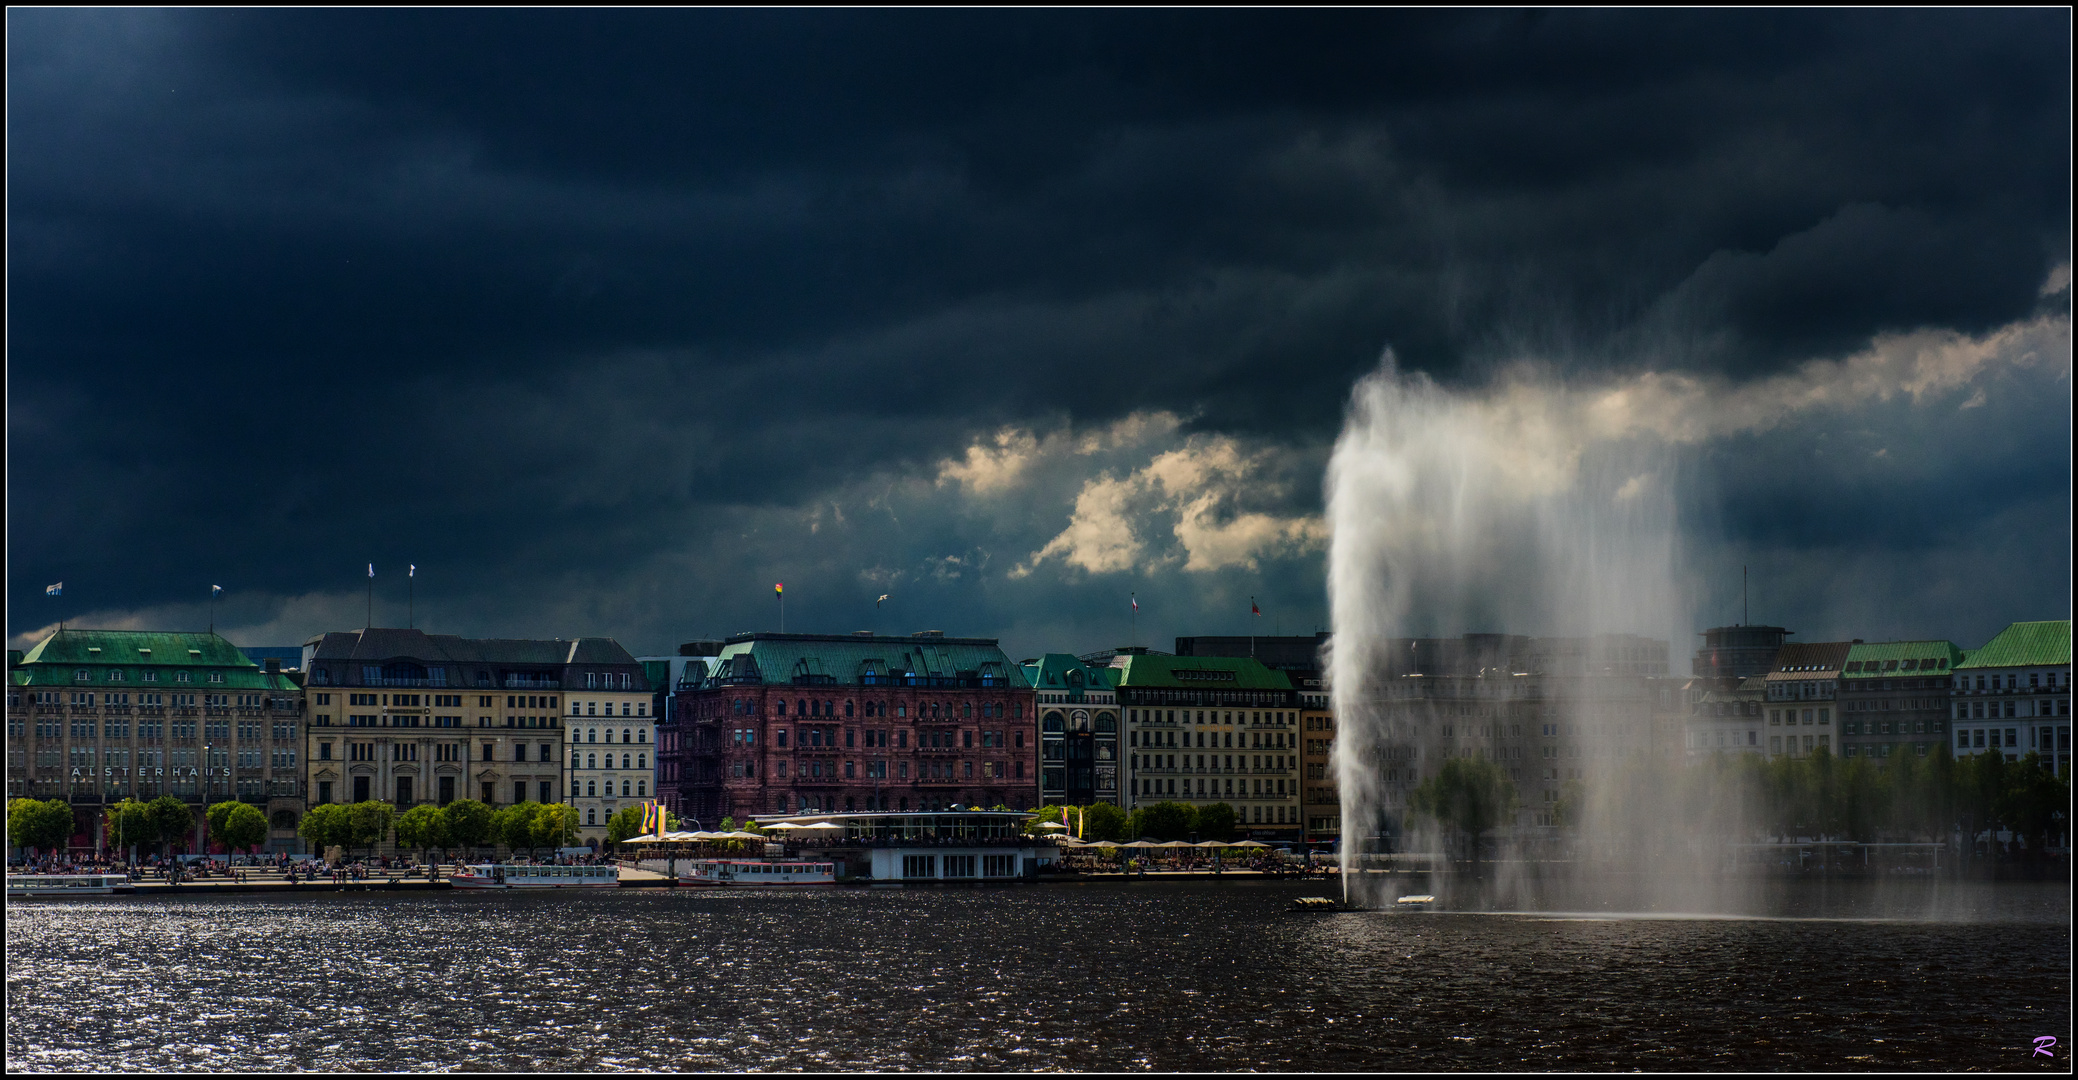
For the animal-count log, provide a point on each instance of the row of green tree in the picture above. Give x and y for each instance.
(163, 822)
(1162, 821)
(464, 825)
(1910, 798)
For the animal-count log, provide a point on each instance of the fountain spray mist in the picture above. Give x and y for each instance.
(1503, 581)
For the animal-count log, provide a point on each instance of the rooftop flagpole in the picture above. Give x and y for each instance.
(411, 595)
(214, 590)
(371, 597)
(779, 592)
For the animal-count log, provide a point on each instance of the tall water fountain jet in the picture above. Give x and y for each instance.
(1537, 516)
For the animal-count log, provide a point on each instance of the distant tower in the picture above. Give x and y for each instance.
(1738, 651)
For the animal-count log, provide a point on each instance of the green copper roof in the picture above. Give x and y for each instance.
(1051, 674)
(1199, 673)
(1891, 659)
(2025, 644)
(58, 659)
(830, 660)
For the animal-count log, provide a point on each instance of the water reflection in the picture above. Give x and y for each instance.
(1187, 976)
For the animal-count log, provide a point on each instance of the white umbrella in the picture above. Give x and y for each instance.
(824, 825)
(743, 836)
(785, 825)
(1249, 843)
(1141, 844)
(1213, 844)
(1049, 825)
(1105, 843)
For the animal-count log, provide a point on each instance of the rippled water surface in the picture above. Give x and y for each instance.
(1159, 976)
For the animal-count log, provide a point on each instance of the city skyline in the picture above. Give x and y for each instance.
(607, 323)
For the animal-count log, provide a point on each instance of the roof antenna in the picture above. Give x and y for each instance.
(1742, 595)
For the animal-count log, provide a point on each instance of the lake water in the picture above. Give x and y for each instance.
(1141, 975)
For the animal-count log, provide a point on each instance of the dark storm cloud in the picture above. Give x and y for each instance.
(551, 293)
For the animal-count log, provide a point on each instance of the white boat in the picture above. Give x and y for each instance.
(535, 876)
(67, 884)
(757, 873)
(1416, 902)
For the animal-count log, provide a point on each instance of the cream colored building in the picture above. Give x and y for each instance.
(408, 717)
(612, 752)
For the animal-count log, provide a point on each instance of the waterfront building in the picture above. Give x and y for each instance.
(919, 846)
(611, 762)
(1547, 711)
(98, 716)
(1735, 652)
(1894, 697)
(1727, 714)
(1801, 694)
(1078, 730)
(794, 723)
(1320, 799)
(408, 717)
(685, 670)
(2014, 694)
(1303, 659)
(1204, 730)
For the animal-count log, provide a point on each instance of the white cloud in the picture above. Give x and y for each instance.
(1200, 491)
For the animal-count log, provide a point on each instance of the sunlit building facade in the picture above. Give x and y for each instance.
(98, 716)
(2013, 695)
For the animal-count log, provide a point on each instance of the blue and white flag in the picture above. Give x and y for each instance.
(371, 569)
(414, 570)
(215, 590)
(55, 590)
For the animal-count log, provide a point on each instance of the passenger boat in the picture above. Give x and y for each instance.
(1418, 902)
(533, 876)
(67, 884)
(757, 873)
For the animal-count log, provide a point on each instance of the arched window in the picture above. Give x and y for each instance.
(593, 736)
(641, 789)
(624, 789)
(625, 736)
(847, 710)
(591, 789)
(591, 815)
(576, 735)
(642, 761)
(624, 761)
(591, 761)
(642, 735)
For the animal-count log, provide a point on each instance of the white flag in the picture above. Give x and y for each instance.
(413, 572)
(54, 590)
(371, 569)
(215, 589)
(883, 598)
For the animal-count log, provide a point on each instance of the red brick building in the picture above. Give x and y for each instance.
(791, 723)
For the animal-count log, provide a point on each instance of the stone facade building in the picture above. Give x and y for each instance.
(1802, 696)
(2015, 694)
(1894, 698)
(98, 716)
(408, 717)
(1205, 730)
(803, 723)
(1079, 737)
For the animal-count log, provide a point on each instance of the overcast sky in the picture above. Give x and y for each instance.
(609, 321)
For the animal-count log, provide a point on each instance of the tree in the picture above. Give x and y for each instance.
(1103, 821)
(469, 823)
(422, 828)
(368, 822)
(325, 826)
(728, 825)
(2034, 802)
(1468, 796)
(553, 825)
(626, 823)
(170, 820)
(129, 824)
(43, 824)
(514, 826)
(1216, 822)
(1164, 821)
(236, 825)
